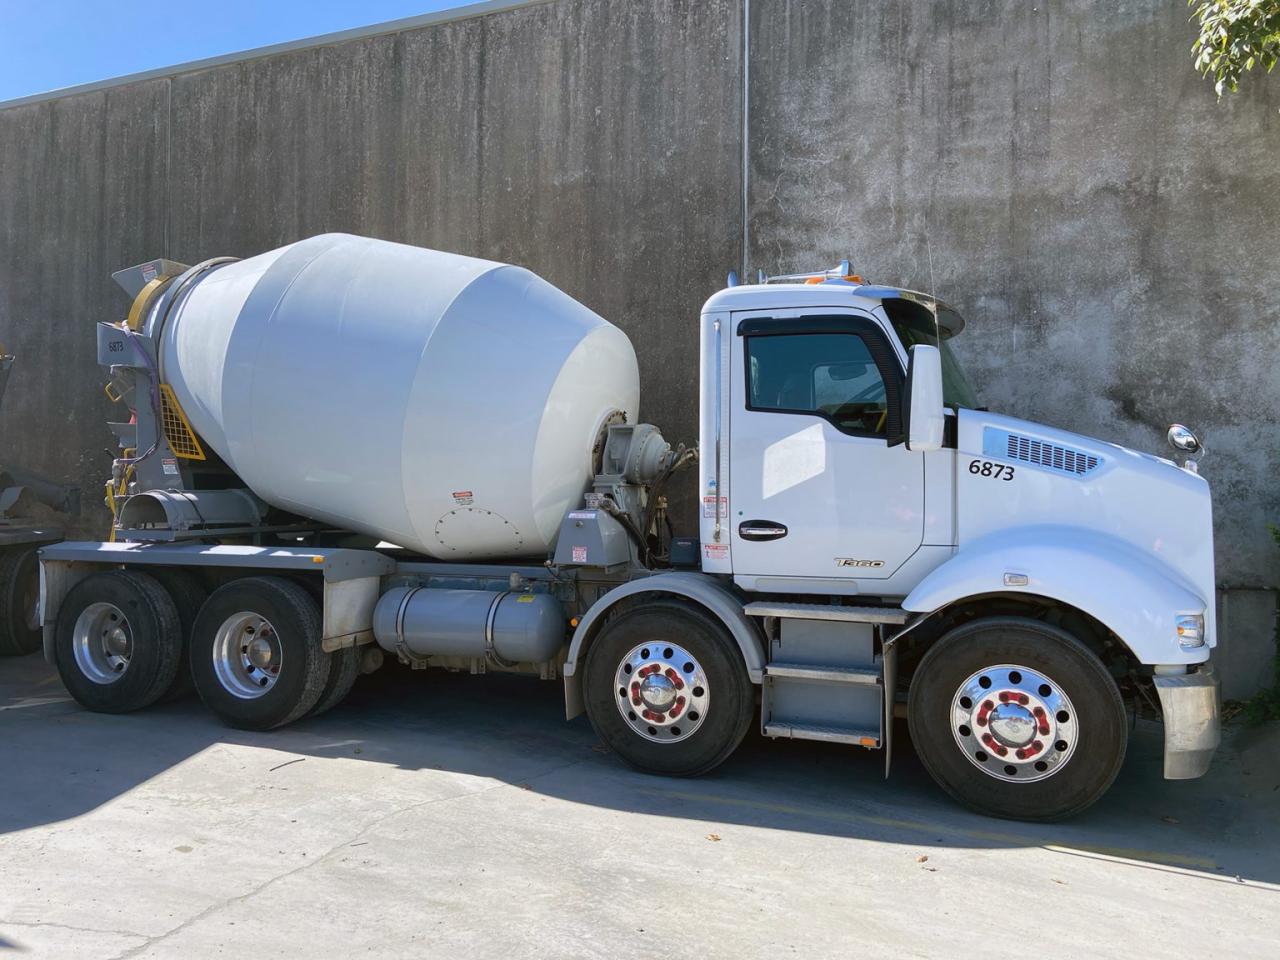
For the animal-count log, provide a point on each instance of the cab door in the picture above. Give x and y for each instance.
(822, 488)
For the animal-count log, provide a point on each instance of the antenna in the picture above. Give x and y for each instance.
(933, 291)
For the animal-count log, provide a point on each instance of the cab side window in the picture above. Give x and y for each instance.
(831, 375)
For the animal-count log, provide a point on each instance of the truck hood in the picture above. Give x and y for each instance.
(1055, 477)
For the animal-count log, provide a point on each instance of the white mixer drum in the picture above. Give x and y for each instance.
(446, 404)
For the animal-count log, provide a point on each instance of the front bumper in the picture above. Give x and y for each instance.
(1192, 721)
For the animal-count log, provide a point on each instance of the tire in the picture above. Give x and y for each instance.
(1031, 691)
(19, 602)
(279, 671)
(344, 667)
(674, 637)
(188, 596)
(117, 641)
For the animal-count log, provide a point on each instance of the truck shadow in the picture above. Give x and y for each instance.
(58, 761)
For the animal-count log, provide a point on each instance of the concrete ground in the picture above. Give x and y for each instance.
(451, 816)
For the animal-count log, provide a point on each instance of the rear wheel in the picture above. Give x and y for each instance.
(19, 602)
(117, 641)
(344, 667)
(188, 596)
(667, 690)
(255, 653)
(1017, 719)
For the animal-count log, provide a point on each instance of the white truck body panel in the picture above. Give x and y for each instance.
(854, 506)
(1097, 573)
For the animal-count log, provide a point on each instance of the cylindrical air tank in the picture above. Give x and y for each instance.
(446, 404)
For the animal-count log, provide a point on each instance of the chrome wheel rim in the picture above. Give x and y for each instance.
(247, 655)
(102, 641)
(662, 692)
(1014, 723)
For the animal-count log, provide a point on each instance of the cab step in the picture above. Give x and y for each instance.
(826, 611)
(858, 736)
(824, 673)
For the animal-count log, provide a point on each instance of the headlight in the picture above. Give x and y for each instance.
(1190, 630)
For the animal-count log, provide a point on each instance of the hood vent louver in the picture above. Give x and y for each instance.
(1041, 453)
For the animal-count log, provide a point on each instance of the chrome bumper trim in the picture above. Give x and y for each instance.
(1192, 721)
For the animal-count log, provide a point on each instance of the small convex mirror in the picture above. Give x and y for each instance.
(1183, 439)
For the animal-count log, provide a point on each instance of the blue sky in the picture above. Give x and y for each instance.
(60, 43)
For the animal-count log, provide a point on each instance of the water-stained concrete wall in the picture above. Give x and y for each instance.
(1056, 170)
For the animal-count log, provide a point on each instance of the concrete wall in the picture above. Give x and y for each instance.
(1057, 169)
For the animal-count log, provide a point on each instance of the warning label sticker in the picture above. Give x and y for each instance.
(582, 515)
(170, 466)
(463, 498)
(579, 554)
(716, 551)
(709, 506)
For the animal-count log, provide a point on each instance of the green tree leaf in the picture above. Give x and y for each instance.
(1235, 36)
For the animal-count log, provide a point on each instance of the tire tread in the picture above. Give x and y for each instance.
(15, 639)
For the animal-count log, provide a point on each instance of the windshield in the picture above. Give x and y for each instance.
(914, 324)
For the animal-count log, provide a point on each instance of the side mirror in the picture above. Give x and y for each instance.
(925, 417)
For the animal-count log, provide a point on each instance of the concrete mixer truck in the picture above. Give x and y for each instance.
(346, 449)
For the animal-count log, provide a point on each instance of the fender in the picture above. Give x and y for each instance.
(704, 590)
(1128, 590)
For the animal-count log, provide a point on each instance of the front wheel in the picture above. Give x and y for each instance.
(1017, 719)
(667, 690)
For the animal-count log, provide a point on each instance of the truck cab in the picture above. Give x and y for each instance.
(823, 492)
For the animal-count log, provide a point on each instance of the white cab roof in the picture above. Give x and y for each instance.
(829, 293)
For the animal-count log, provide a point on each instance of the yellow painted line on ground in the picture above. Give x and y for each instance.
(1135, 856)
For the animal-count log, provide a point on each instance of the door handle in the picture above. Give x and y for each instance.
(761, 530)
